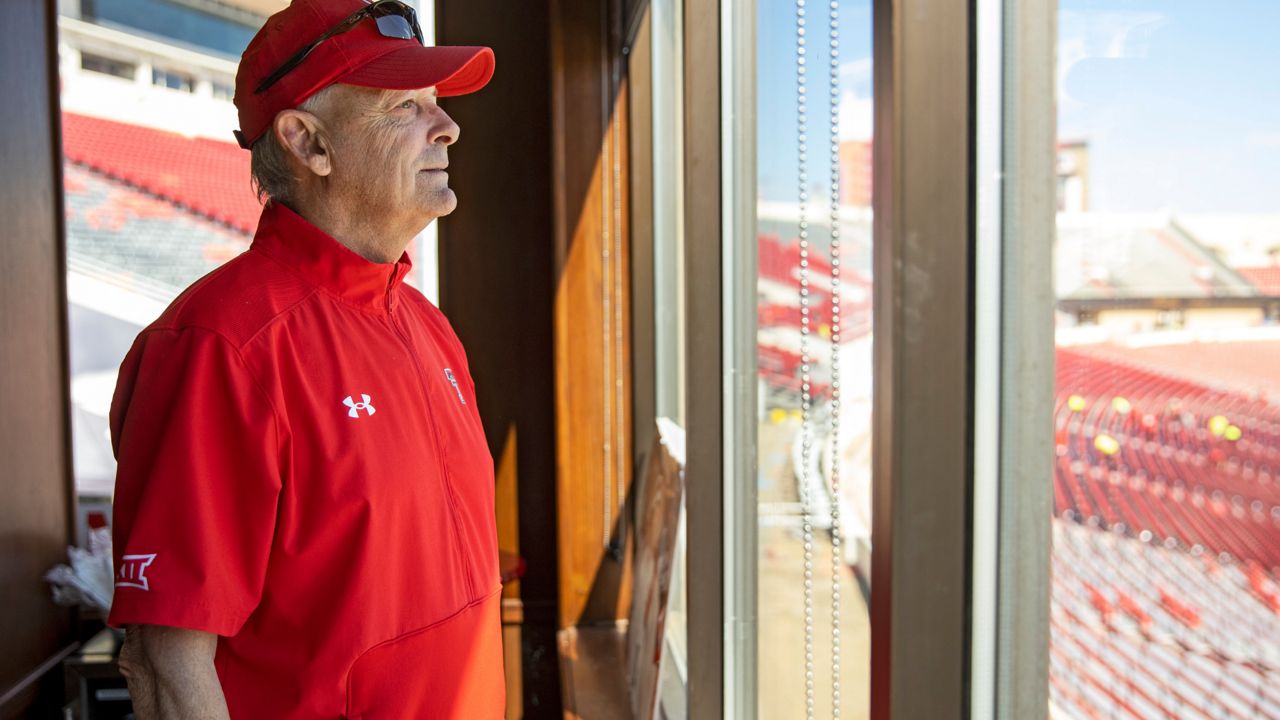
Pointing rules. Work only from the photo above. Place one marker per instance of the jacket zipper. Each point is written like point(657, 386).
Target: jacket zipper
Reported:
point(450, 498)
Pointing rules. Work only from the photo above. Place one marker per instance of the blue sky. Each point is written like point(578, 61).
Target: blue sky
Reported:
point(1179, 99)
point(776, 89)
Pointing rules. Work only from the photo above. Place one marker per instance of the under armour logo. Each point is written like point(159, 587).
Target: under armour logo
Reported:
point(133, 571)
point(356, 407)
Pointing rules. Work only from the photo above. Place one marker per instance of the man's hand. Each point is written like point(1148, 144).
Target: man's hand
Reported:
point(171, 675)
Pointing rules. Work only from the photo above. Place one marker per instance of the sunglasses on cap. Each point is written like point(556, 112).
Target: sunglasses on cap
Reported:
point(393, 18)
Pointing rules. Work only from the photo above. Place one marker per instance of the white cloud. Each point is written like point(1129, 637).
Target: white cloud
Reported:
point(856, 73)
point(855, 116)
point(1094, 34)
point(1266, 140)
point(855, 99)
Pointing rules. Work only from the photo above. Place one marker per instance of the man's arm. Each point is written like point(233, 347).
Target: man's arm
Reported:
point(171, 674)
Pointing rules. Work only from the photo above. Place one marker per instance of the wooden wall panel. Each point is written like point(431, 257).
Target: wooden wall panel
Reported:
point(592, 307)
point(35, 474)
point(535, 278)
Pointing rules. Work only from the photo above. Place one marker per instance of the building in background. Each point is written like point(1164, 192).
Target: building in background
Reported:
point(157, 194)
point(157, 191)
point(1073, 176)
point(164, 64)
point(855, 173)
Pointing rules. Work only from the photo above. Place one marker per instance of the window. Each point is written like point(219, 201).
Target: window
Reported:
point(133, 245)
point(218, 27)
point(813, 335)
point(107, 66)
point(223, 91)
point(1166, 531)
point(173, 80)
point(665, 35)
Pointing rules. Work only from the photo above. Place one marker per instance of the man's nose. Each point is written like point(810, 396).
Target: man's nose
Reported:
point(443, 129)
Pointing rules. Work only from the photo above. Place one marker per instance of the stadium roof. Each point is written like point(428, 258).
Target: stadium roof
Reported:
point(1266, 278)
point(1109, 256)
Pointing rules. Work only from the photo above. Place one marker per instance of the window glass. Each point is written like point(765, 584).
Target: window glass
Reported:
point(173, 80)
point(814, 336)
point(156, 192)
point(1166, 555)
point(107, 66)
point(667, 36)
point(176, 22)
point(155, 196)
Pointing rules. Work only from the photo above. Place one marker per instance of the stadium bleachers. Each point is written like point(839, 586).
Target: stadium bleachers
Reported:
point(779, 265)
point(1166, 489)
point(1165, 601)
point(1140, 630)
point(207, 177)
point(1194, 466)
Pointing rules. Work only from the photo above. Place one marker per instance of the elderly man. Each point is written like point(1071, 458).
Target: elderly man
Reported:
point(304, 517)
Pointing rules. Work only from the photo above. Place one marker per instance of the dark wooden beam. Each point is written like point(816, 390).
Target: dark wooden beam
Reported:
point(36, 514)
point(497, 284)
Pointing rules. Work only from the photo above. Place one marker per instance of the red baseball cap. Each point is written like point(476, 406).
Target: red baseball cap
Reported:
point(360, 56)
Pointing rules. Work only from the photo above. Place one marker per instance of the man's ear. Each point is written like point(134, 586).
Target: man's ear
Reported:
point(298, 132)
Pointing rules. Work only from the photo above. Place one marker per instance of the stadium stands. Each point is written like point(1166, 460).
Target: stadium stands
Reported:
point(778, 313)
point(206, 177)
point(1140, 630)
point(1191, 465)
point(1166, 487)
point(1166, 546)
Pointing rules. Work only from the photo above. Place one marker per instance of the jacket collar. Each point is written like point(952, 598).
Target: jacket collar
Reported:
point(323, 262)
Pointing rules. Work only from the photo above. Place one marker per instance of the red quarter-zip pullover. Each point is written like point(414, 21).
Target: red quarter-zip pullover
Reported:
point(303, 472)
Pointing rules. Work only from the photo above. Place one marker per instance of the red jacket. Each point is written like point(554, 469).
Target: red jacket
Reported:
point(303, 472)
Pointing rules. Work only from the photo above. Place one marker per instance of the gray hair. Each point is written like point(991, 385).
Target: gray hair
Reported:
point(269, 162)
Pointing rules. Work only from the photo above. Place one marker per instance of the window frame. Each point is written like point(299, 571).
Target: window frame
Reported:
point(704, 370)
point(935, 329)
point(1025, 337)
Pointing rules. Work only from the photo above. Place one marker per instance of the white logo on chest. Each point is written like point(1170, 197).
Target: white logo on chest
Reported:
point(452, 381)
point(356, 407)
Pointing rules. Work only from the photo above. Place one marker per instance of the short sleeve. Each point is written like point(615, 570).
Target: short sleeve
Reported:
point(197, 484)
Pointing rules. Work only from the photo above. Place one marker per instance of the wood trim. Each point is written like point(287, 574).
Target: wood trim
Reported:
point(26, 686)
point(592, 312)
point(923, 362)
point(704, 365)
point(38, 510)
point(497, 283)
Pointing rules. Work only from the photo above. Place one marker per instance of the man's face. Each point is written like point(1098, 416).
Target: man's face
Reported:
point(390, 149)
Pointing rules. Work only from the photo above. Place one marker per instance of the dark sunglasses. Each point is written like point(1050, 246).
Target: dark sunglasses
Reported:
point(394, 20)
